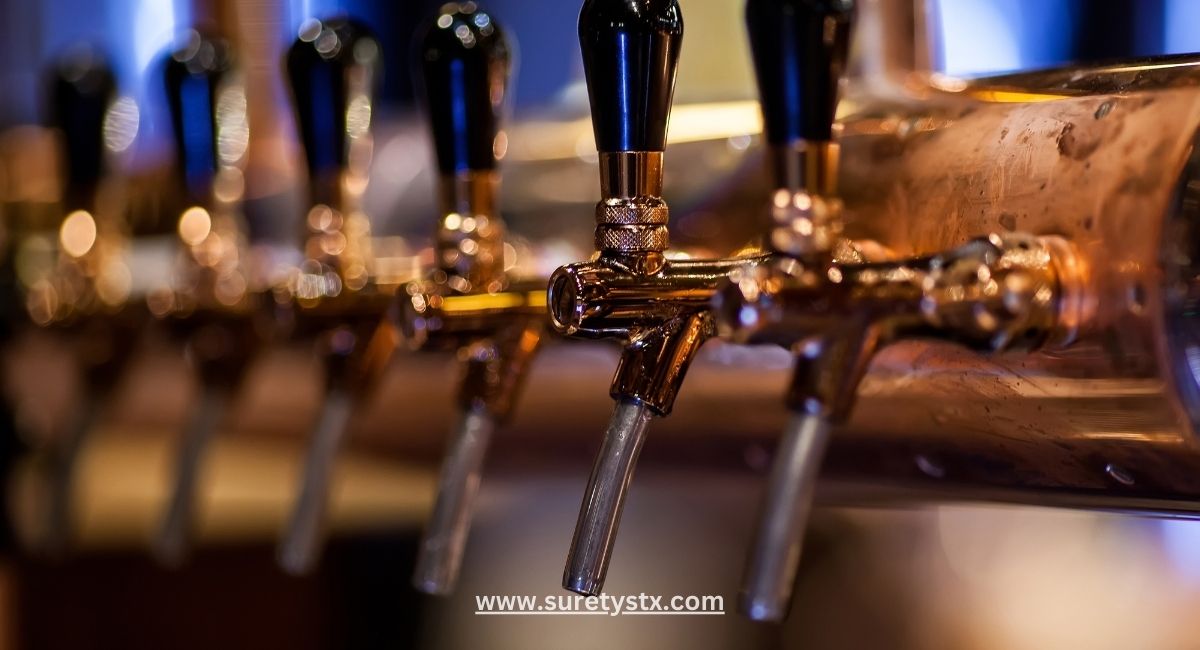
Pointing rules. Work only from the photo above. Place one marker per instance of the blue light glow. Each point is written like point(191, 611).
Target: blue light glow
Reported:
point(1181, 20)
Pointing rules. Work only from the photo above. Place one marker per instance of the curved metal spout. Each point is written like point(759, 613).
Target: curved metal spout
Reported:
point(173, 541)
point(771, 569)
point(445, 538)
point(299, 548)
point(56, 537)
point(596, 531)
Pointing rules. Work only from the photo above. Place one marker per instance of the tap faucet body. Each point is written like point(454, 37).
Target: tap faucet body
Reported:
point(83, 293)
point(332, 296)
point(210, 305)
point(468, 302)
point(631, 291)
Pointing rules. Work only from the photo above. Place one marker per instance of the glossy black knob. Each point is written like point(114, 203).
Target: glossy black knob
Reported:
point(193, 75)
point(333, 64)
point(630, 55)
point(463, 64)
point(800, 49)
point(82, 87)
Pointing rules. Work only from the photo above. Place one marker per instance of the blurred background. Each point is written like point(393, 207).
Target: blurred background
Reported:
point(933, 576)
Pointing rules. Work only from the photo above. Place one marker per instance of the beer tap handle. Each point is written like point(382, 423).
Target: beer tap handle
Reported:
point(332, 68)
point(799, 49)
point(463, 64)
point(82, 86)
point(630, 56)
point(193, 78)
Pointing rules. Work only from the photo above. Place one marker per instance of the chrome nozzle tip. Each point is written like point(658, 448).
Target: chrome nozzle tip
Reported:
point(584, 585)
point(432, 586)
point(295, 563)
point(169, 554)
point(562, 300)
point(763, 609)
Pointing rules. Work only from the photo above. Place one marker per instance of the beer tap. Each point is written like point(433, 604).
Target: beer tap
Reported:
point(469, 302)
point(631, 291)
point(835, 302)
point(82, 292)
point(332, 295)
point(208, 304)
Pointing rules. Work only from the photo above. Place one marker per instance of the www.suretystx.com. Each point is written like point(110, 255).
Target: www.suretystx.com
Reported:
point(602, 605)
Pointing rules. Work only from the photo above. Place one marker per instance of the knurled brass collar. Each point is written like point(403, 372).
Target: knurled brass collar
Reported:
point(632, 216)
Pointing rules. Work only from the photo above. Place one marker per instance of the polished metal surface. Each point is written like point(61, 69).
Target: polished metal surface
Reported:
point(1089, 169)
point(806, 213)
point(300, 545)
point(58, 526)
point(1001, 292)
point(775, 555)
point(631, 217)
point(987, 289)
point(631, 174)
point(600, 514)
point(440, 555)
point(473, 301)
point(171, 543)
point(470, 236)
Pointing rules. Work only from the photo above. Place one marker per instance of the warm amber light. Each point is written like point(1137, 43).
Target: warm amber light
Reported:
point(476, 303)
point(194, 225)
point(78, 233)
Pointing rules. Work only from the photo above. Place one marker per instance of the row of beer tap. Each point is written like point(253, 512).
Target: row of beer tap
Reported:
point(833, 302)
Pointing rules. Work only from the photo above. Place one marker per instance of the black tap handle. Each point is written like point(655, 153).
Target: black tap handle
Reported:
point(331, 64)
point(800, 49)
point(630, 55)
point(82, 87)
point(464, 63)
point(193, 76)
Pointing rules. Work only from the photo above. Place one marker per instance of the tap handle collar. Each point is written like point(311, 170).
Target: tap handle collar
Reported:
point(81, 89)
point(193, 75)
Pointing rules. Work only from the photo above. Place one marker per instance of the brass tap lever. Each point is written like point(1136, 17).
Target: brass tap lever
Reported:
point(469, 302)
